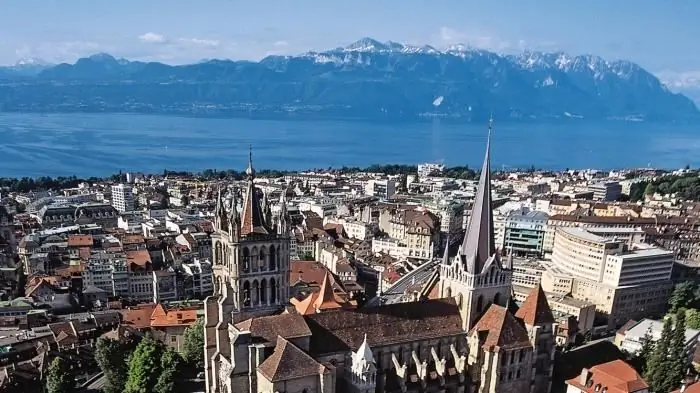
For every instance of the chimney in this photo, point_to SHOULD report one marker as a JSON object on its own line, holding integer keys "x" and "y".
{"x": 585, "y": 373}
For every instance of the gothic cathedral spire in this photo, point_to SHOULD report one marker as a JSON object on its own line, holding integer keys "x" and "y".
{"x": 478, "y": 244}
{"x": 253, "y": 218}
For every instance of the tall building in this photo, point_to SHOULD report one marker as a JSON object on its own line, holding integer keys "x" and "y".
{"x": 472, "y": 340}
{"x": 251, "y": 273}
{"x": 122, "y": 198}
{"x": 624, "y": 281}
{"x": 524, "y": 232}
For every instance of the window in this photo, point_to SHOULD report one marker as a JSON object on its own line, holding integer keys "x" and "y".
{"x": 173, "y": 339}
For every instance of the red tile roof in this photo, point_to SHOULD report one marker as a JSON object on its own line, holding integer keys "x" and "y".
{"x": 617, "y": 376}
{"x": 535, "y": 311}
{"x": 502, "y": 329}
{"x": 80, "y": 241}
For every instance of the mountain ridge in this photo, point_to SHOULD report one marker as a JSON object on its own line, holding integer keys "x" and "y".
{"x": 367, "y": 78}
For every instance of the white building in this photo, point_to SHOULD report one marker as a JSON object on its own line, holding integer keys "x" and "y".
{"x": 122, "y": 197}
{"x": 634, "y": 337}
{"x": 625, "y": 282}
{"x": 428, "y": 169}
{"x": 381, "y": 188}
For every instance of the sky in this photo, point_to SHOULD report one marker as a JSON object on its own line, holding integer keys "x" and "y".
{"x": 658, "y": 36}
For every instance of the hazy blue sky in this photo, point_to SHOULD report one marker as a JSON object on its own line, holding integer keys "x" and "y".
{"x": 658, "y": 35}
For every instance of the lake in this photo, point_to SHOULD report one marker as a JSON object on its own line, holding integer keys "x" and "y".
{"x": 102, "y": 144}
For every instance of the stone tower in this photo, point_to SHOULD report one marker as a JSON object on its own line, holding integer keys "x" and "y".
{"x": 475, "y": 276}
{"x": 251, "y": 273}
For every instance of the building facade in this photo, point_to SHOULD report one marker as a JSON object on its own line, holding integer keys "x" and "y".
{"x": 123, "y": 198}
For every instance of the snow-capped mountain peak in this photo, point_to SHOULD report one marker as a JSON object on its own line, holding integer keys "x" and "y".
{"x": 31, "y": 62}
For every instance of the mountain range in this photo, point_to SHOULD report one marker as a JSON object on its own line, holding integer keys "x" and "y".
{"x": 367, "y": 79}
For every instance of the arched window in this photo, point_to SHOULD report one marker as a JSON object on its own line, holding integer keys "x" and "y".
{"x": 277, "y": 252}
{"x": 246, "y": 293}
{"x": 263, "y": 291}
{"x": 262, "y": 261}
{"x": 479, "y": 303}
{"x": 217, "y": 254}
{"x": 497, "y": 299}
{"x": 256, "y": 293}
{"x": 273, "y": 291}
{"x": 254, "y": 258}
{"x": 246, "y": 260}
{"x": 273, "y": 255}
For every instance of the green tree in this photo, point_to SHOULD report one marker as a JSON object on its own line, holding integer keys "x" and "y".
{"x": 676, "y": 356}
{"x": 651, "y": 189}
{"x": 658, "y": 366}
{"x": 640, "y": 359}
{"x": 58, "y": 378}
{"x": 144, "y": 367}
{"x": 170, "y": 369}
{"x": 111, "y": 357}
{"x": 683, "y": 296}
{"x": 692, "y": 318}
{"x": 193, "y": 352}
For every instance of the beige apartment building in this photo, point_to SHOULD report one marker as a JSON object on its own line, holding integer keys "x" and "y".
{"x": 623, "y": 281}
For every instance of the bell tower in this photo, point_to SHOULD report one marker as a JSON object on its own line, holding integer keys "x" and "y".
{"x": 250, "y": 268}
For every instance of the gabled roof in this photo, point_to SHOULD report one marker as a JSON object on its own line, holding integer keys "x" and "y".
{"x": 289, "y": 362}
{"x": 501, "y": 329}
{"x": 478, "y": 245}
{"x": 535, "y": 311}
{"x": 617, "y": 376}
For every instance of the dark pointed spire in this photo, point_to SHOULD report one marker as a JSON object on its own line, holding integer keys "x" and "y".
{"x": 220, "y": 218}
{"x": 250, "y": 171}
{"x": 478, "y": 244}
{"x": 253, "y": 217}
{"x": 446, "y": 254}
{"x": 234, "y": 220}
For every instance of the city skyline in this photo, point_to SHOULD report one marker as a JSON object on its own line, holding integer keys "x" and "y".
{"x": 178, "y": 32}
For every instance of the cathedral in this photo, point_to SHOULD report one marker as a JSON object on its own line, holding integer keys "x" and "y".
{"x": 474, "y": 338}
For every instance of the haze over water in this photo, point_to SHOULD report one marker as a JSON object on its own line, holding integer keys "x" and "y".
{"x": 102, "y": 144}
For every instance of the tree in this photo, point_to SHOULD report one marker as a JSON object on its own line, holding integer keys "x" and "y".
{"x": 641, "y": 358}
{"x": 58, "y": 379}
{"x": 193, "y": 352}
{"x": 111, "y": 357}
{"x": 658, "y": 366}
{"x": 650, "y": 190}
{"x": 144, "y": 367}
{"x": 683, "y": 296}
{"x": 168, "y": 377}
{"x": 676, "y": 357}
{"x": 692, "y": 318}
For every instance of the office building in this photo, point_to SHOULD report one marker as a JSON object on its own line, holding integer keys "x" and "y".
{"x": 122, "y": 198}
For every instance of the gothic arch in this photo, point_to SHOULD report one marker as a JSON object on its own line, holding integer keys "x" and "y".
{"x": 263, "y": 291}
{"x": 217, "y": 253}
{"x": 497, "y": 299}
{"x": 256, "y": 292}
{"x": 246, "y": 293}
{"x": 480, "y": 303}
{"x": 448, "y": 292}
{"x": 273, "y": 291}
{"x": 262, "y": 259}
{"x": 246, "y": 260}
{"x": 277, "y": 252}
{"x": 273, "y": 258}
{"x": 254, "y": 258}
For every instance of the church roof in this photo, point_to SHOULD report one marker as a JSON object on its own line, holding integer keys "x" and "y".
{"x": 289, "y": 362}
{"x": 253, "y": 217}
{"x": 268, "y": 328}
{"x": 344, "y": 330}
{"x": 478, "y": 244}
{"x": 501, "y": 329}
{"x": 535, "y": 310}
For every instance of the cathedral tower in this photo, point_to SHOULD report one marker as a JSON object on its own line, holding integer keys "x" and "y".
{"x": 250, "y": 269}
{"x": 476, "y": 276}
